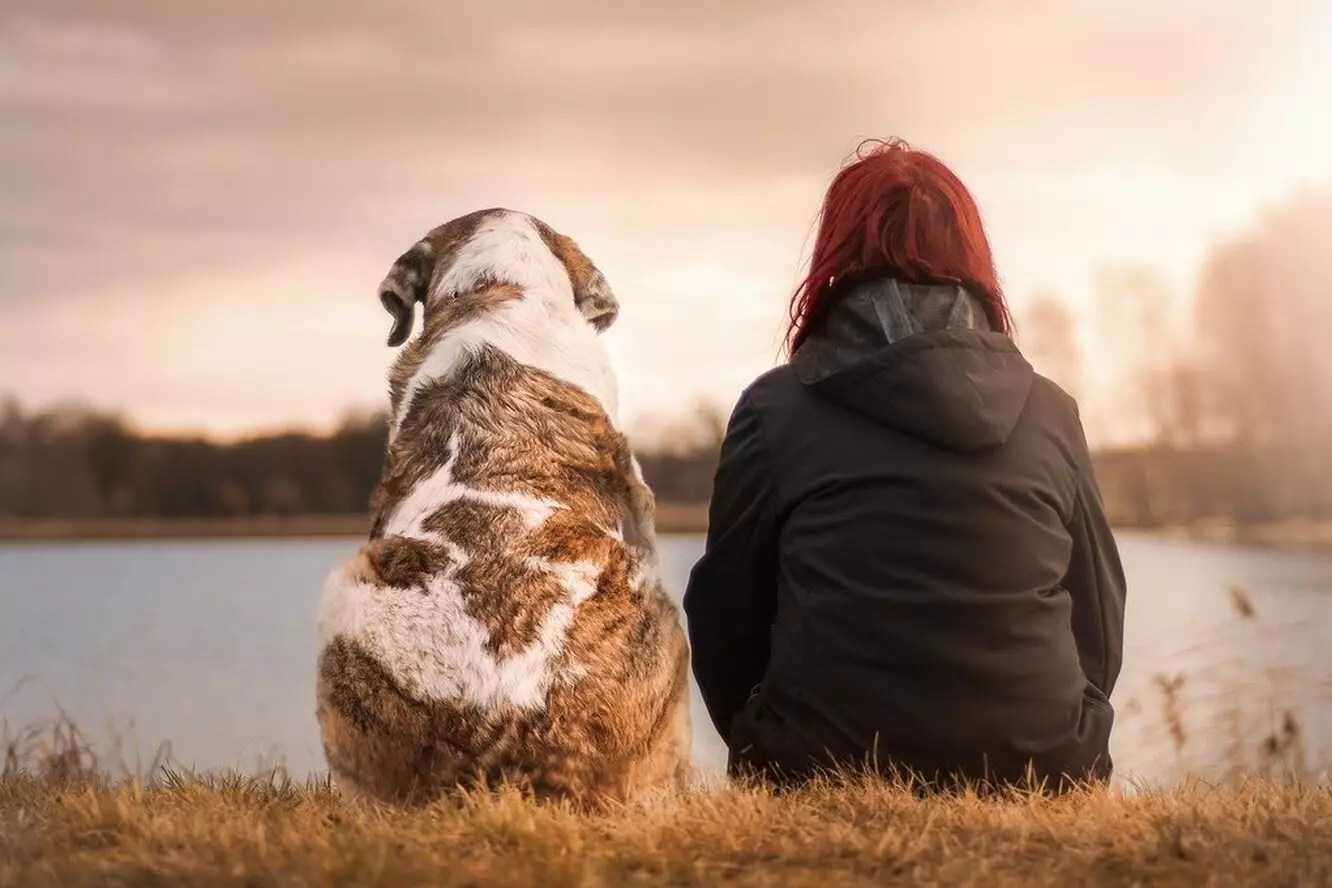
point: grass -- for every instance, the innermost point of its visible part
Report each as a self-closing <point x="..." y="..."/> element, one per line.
<point x="63" y="823"/>
<point x="68" y="819"/>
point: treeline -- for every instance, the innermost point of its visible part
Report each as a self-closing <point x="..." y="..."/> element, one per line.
<point x="1231" y="402"/>
<point x="1229" y="392"/>
<point x="72" y="463"/>
<point x="1162" y="485"/>
<point x="77" y="463"/>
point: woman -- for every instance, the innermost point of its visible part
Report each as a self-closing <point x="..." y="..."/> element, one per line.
<point x="908" y="562"/>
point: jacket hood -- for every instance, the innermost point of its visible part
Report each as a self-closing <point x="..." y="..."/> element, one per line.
<point x="920" y="358"/>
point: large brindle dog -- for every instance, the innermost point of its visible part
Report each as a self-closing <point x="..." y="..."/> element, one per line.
<point x="505" y="621"/>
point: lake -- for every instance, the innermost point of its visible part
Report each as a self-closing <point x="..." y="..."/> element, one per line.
<point x="211" y="646"/>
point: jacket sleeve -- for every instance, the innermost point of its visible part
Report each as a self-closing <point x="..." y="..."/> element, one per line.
<point x="731" y="596"/>
<point x="1095" y="580"/>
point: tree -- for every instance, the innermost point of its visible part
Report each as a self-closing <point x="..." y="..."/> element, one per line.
<point x="1158" y="384"/>
<point x="1262" y="312"/>
<point x="1049" y="334"/>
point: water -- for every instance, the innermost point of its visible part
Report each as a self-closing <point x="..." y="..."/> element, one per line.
<point x="211" y="646"/>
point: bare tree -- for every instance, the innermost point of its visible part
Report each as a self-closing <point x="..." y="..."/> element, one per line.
<point x="1049" y="336"/>
<point x="1158" y="383"/>
<point x="1262" y="312"/>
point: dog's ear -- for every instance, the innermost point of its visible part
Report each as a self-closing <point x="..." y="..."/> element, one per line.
<point x="593" y="296"/>
<point x="407" y="283"/>
<point x="595" y="300"/>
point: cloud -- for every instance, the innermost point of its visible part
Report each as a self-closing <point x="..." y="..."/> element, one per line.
<point x="154" y="143"/>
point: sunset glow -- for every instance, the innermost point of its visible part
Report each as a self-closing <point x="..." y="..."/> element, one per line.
<point x="197" y="209"/>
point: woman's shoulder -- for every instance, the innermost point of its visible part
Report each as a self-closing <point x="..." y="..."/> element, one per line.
<point x="1057" y="411"/>
<point x="1049" y="394"/>
<point x="775" y="379"/>
<point x="775" y="389"/>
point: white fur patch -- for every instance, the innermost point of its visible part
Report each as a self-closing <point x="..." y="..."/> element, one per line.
<point x="437" y="650"/>
<point x="426" y="638"/>
<point x="543" y="329"/>
<point x="438" y="488"/>
<point x="506" y="248"/>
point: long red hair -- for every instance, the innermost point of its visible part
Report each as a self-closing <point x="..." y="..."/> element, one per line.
<point x="900" y="211"/>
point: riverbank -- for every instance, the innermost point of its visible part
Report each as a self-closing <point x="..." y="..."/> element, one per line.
<point x="1293" y="536"/>
<point x="264" y="831"/>
<point x="671" y="518"/>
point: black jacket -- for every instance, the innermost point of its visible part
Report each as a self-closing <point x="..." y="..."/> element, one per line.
<point x="908" y="561"/>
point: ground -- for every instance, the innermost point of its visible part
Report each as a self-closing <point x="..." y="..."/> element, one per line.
<point x="72" y="830"/>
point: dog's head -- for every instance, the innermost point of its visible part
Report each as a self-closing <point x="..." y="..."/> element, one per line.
<point x="488" y="249"/>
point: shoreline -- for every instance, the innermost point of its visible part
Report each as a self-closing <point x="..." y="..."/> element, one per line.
<point x="672" y="519"/>
<point x="1279" y="536"/>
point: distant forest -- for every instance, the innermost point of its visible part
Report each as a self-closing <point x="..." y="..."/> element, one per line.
<point x="72" y="463"/>
<point x="1236" y="399"/>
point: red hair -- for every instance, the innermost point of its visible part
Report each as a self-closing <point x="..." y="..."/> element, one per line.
<point x="897" y="211"/>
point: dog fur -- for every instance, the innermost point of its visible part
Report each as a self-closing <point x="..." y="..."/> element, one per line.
<point x="506" y="621"/>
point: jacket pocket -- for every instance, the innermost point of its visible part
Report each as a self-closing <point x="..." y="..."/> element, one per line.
<point x="1094" y="732"/>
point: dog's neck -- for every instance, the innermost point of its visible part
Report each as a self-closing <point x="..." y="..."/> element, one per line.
<point x="542" y="329"/>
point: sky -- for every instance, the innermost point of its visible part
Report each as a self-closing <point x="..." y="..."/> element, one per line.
<point x="198" y="200"/>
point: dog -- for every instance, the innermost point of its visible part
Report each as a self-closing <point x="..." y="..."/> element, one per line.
<point x="505" y="622"/>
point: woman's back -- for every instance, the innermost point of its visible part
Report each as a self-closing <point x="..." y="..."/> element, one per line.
<point x="907" y="554"/>
<point x="924" y="533"/>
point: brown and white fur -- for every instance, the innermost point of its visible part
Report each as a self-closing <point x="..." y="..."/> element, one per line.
<point x="505" y="622"/>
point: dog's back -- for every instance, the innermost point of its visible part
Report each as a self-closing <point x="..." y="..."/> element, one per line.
<point x="506" y="620"/>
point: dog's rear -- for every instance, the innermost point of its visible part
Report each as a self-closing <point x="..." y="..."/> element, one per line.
<point x="506" y="619"/>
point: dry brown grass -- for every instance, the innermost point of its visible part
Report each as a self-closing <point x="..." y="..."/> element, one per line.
<point x="61" y="825"/>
